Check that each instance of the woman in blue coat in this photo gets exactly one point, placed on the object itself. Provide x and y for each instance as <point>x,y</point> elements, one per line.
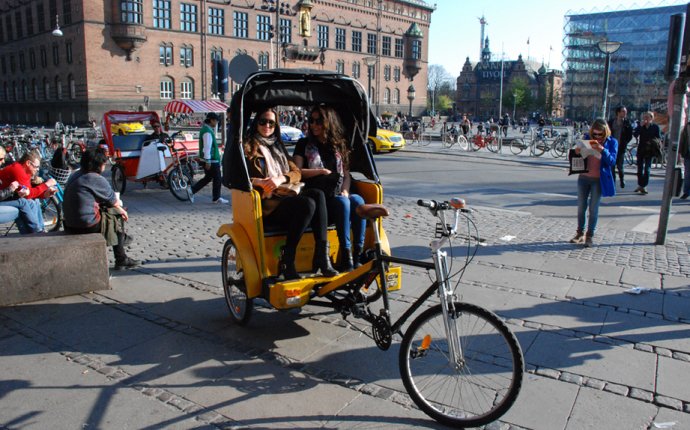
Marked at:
<point>597,182</point>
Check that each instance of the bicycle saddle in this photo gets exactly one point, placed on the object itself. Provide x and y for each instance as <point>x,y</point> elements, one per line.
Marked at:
<point>372,211</point>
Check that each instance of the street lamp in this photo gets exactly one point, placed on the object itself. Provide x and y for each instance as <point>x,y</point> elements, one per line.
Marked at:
<point>370,62</point>
<point>607,47</point>
<point>57,32</point>
<point>410,97</point>
<point>514,102</point>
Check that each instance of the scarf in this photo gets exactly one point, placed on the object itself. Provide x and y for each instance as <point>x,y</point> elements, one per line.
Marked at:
<point>276,161</point>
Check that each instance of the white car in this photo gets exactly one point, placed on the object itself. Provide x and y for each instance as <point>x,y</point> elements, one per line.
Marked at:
<point>290,135</point>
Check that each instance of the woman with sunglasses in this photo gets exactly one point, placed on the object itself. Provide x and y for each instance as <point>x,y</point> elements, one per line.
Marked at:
<point>270,166</point>
<point>324,159</point>
<point>597,182</point>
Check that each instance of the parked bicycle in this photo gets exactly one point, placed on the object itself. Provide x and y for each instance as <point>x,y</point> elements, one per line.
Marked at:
<point>490,142</point>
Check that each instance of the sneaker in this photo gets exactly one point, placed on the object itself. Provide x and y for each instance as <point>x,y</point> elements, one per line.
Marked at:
<point>622,183</point>
<point>578,238</point>
<point>588,241</point>
<point>221,201</point>
<point>684,196</point>
<point>127,263</point>
<point>644,191</point>
<point>638,189</point>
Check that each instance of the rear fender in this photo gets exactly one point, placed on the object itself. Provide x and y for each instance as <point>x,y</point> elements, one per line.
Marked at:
<point>248,260</point>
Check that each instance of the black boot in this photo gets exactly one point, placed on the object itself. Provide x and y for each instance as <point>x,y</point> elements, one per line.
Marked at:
<point>286,265</point>
<point>346,264</point>
<point>357,256</point>
<point>322,260</point>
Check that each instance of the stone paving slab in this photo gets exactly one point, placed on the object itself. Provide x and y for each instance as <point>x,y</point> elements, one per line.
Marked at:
<point>43,312</point>
<point>616,296</point>
<point>543,404</point>
<point>588,270</point>
<point>519,280</point>
<point>657,332</point>
<point>674,378</point>
<point>596,409</point>
<point>618,364</point>
<point>640,278</point>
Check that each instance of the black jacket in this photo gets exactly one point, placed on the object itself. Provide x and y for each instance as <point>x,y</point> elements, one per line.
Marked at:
<point>626,133</point>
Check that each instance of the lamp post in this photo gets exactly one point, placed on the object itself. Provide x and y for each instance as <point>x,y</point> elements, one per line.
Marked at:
<point>370,62</point>
<point>57,32</point>
<point>410,97</point>
<point>607,47</point>
<point>514,102</point>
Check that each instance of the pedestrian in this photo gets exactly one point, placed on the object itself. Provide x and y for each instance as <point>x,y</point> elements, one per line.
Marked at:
<point>597,181</point>
<point>209,154</point>
<point>684,151</point>
<point>622,130</point>
<point>158,133</point>
<point>91,206</point>
<point>649,135</point>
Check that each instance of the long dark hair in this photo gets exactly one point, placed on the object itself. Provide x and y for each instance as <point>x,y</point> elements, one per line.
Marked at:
<point>333,130</point>
<point>251,144</point>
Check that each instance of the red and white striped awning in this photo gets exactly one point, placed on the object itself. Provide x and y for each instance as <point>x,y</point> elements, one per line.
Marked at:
<point>193,106</point>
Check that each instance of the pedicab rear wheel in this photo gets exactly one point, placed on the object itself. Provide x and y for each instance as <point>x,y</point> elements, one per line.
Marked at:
<point>234,287</point>
<point>118,178</point>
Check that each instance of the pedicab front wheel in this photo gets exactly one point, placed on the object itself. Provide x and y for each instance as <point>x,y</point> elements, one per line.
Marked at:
<point>118,178</point>
<point>180,182</point>
<point>234,286</point>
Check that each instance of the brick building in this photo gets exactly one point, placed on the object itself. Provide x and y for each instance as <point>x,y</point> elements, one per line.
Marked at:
<point>139,54</point>
<point>534,87</point>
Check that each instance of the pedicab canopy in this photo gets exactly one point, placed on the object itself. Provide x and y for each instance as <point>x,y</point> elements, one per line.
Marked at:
<point>194,106</point>
<point>306,88</point>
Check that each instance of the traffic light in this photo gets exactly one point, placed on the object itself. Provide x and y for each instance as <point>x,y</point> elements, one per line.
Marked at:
<point>219,82</point>
<point>271,34</point>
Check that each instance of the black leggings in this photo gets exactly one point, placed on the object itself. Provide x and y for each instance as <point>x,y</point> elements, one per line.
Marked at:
<point>294,214</point>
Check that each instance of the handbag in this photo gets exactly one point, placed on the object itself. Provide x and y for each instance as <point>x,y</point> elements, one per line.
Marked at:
<point>654,146</point>
<point>329,184</point>
<point>577,164</point>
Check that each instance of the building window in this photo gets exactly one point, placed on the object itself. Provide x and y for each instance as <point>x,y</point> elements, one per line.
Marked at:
<point>417,49</point>
<point>5,92</point>
<point>263,27</point>
<point>396,74</point>
<point>371,43</point>
<point>398,48</point>
<point>387,72</point>
<point>165,55</point>
<point>15,91</point>
<point>29,21</point>
<point>263,61</point>
<point>187,89</point>
<point>188,17</point>
<point>356,70</point>
<point>357,41</point>
<point>241,24</point>
<point>387,96</point>
<point>68,52</point>
<point>46,88</point>
<point>216,21</point>
<point>32,59</point>
<point>18,23</point>
<point>72,87</point>
<point>22,62</point>
<point>161,14</point>
<point>3,65</point>
<point>25,90</point>
<point>285,30</point>
<point>66,12</point>
<point>340,67</point>
<point>34,85</point>
<point>8,24</point>
<point>58,88</point>
<point>131,12</point>
<point>2,33</point>
<point>216,54</point>
<point>339,38</point>
<point>167,88</point>
<point>44,57</point>
<point>322,36</point>
<point>13,64</point>
<point>186,56</point>
<point>386,46</point>
<point>56,54</point>
<point>396,96</point>
<point>41,15</point>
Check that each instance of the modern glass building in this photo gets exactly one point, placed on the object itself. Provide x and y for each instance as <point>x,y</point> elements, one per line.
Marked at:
<point>636,75</point>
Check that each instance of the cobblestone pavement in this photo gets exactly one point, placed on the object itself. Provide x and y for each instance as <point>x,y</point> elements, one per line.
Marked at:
<point>158,351</point>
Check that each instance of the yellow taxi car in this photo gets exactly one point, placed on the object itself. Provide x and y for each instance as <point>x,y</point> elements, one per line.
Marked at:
<point>127,128</point>
<point>386,140</point>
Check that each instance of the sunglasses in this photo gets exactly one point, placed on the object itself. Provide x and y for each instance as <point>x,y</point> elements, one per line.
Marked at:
<point>35,166</point>
<point>317,121</point>
<point>156,126</point>
<point>268,122</point>
<point>597,135</point>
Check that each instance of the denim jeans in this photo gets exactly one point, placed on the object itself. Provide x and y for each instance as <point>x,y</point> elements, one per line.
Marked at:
<point>341,210</point>
<point>588,195</point>
<point>30,214</point>
<point>8,214</point>
<point>644,167</point>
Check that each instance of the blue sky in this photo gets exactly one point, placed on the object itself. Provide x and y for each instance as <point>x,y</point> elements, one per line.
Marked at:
<point>455,29</point>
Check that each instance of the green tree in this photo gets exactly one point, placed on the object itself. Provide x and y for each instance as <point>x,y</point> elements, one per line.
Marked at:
<point>443,103</point>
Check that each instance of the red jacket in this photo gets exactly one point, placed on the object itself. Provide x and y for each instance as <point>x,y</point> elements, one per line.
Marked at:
<point>16,172</point>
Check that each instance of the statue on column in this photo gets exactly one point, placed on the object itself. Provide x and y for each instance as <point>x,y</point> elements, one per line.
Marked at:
<point>305,23</point>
